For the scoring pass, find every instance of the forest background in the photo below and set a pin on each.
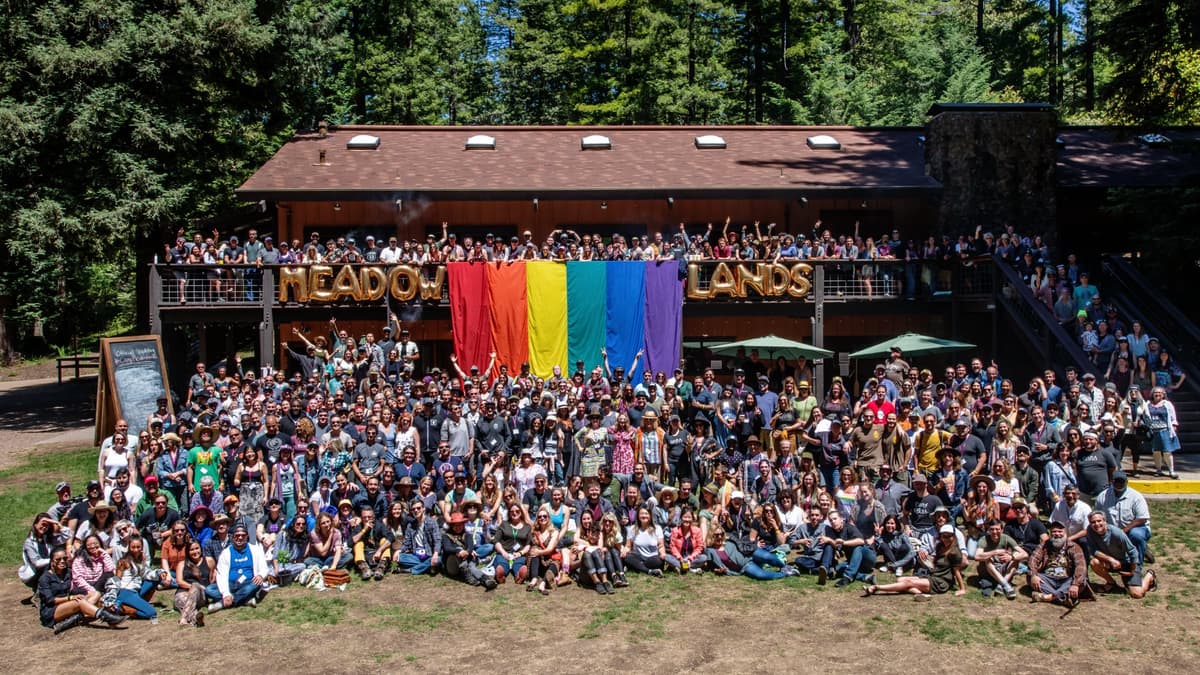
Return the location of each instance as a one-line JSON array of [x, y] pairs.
[[126, 119]]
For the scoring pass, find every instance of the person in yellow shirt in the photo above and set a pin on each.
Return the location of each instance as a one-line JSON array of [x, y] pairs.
[[926, 444]]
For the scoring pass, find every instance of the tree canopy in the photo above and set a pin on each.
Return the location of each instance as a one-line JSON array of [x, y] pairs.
[[126, 119]]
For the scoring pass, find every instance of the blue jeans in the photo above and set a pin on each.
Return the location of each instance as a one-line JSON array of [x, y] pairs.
[[858, 568], [1139, 536], [144, 609], [754, 571], [413, 563], [510, 567], [830, 477], [329, 562], [241, 592], [764, 558]]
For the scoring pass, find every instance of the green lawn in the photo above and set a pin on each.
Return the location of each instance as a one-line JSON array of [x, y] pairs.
[[28, 488]]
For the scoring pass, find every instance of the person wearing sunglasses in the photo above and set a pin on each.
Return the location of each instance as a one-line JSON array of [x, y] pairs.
[[63, 605]]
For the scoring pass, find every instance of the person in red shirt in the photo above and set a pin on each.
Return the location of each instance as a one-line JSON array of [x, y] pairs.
[[880, 407]]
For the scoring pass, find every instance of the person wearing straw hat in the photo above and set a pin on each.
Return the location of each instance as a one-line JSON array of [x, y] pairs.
[[100, 524], [204, 460], [648, 444]]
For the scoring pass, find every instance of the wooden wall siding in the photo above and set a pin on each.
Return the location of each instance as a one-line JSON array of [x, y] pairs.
[[413, 218]]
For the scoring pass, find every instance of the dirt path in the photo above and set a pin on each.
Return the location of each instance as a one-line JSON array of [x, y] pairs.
[[40, 415]]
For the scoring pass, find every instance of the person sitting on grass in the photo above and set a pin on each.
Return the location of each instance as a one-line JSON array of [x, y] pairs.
[[45, 535], [841, 539], [645, 548], [466, 552], [372, 544], [64, 605], [1058, 570], [999, 557], [1113, 553], [241, 570], [945, 572], [421, 549], [893, 546], [137, 581]]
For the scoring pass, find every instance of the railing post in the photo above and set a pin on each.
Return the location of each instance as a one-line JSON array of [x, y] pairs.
[[266, 332], [818, 337], [156, 295]]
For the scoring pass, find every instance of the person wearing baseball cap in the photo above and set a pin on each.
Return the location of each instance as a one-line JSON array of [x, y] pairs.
[[241, 572], [945, 571]]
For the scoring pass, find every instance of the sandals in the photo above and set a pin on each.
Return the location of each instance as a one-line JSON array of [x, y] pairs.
[[868, 591]]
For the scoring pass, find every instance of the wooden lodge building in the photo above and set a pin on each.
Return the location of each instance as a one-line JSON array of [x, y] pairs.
[[970, 165]]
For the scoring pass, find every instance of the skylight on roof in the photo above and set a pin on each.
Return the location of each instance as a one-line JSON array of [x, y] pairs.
[[596, 142], [481, 142], [363, 142], [710, 142], [824, 142], [1154, 140]]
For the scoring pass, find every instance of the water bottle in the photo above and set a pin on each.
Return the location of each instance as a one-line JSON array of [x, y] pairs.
[[683, 566]]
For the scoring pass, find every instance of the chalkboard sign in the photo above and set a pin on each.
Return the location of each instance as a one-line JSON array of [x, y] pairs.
[[132, 381]]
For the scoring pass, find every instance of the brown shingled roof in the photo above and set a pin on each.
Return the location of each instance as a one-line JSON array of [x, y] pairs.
[[549, 160], [1112, 156]]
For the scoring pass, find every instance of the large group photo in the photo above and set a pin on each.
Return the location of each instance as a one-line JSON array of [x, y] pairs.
[[568, 337]]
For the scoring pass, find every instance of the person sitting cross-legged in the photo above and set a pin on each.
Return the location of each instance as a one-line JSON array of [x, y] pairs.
[[999, 556], [1057, 569], [241, 570]]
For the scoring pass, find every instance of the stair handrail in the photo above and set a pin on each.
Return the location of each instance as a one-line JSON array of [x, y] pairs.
[[1067, 344], [1118, 269], [1139, 294]]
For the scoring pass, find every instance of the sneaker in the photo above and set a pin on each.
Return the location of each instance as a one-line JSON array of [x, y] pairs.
[[656, 573], [1149, 557], [791, 571], [608, 587], [214, 607], [601, 588], [252, 602], [842, 583], [489, 584], [870, 580], [620, 582], [1010, 593], [697, 570], [1174, 476], [822, 576], [987, 591], [922, 597]]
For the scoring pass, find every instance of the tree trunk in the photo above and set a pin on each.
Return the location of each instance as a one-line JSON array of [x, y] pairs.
[[1053, 53], [1089, 57], [853, 32]]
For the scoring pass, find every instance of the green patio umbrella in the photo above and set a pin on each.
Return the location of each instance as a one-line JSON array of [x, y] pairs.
[[773, 346], [911, 344]]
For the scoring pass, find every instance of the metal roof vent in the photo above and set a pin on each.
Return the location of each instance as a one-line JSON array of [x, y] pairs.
[[363, 142], [481, 142], [596, 142], [710, 142], [824, 142]]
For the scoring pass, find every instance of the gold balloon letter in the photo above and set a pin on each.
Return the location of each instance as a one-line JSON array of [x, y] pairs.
[[319, 278], [800, 283], [694, 292], [723, 282], [296, 279], [402, 283], [372, 283]]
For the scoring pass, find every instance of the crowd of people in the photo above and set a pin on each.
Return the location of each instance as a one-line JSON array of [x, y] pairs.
[[888, 257], [490, 477]]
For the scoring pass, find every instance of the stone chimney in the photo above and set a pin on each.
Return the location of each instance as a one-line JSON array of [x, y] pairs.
[[996, 164]]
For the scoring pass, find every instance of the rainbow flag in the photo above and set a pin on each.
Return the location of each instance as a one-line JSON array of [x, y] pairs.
[[554, 313]]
